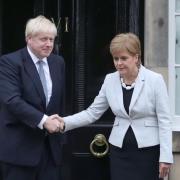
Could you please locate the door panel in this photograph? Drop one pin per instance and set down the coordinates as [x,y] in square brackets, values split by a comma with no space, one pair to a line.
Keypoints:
[100,28]
[95,25]
[84,164]
[14,15]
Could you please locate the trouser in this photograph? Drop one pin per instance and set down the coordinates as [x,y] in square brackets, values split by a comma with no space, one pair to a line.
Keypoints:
[45,170]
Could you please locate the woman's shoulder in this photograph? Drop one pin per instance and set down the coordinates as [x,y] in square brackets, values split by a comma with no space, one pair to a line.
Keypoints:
[110,78]
[151,77]
[112,75]
[150,73]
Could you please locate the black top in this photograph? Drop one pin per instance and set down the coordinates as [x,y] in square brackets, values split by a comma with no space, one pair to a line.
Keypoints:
[127,94]
[129,142]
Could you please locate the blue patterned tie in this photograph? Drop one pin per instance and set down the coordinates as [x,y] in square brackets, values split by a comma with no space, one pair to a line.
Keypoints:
[43,79]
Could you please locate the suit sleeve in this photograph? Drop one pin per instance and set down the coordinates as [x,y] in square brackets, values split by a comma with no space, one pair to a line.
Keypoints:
[11,94]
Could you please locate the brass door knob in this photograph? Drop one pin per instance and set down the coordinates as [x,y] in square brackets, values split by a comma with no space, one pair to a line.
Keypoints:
[100,141]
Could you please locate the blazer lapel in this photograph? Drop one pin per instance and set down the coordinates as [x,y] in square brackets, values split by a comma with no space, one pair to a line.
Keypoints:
[137,89]
[33,74]
[119,93]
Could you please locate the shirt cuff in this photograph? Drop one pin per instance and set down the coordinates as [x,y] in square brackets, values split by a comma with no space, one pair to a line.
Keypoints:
[40,125]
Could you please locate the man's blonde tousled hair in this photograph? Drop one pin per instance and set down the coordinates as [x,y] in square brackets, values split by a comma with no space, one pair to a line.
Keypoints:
[40,24]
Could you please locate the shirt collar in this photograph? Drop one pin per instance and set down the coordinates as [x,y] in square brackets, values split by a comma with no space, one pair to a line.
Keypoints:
[34,57]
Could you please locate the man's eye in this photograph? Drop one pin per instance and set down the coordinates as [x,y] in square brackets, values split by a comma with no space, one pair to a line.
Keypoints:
[51,40]
[43,39]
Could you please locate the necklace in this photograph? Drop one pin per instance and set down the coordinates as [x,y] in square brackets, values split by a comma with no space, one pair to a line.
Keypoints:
[127,87]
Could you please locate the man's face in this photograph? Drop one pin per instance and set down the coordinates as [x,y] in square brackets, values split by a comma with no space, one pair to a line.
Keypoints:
[41,44]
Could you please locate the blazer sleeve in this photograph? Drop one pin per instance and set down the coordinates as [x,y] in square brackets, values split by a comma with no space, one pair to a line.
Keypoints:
[164,120]
[91,114]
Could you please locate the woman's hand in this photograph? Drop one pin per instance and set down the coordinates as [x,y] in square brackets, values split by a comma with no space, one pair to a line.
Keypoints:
[164,169]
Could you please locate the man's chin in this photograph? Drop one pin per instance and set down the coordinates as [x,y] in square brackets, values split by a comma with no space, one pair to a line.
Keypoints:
[46,54]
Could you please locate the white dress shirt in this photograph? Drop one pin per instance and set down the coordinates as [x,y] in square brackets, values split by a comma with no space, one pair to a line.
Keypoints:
[48,80]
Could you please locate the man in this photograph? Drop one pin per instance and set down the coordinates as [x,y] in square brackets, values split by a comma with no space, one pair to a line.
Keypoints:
[31,98]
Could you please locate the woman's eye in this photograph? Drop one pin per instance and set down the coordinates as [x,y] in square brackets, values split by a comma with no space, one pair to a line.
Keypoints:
[120,58]
[124,58]
[116,58]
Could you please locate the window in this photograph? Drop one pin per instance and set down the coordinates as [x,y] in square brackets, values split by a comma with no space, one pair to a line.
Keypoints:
[174,61]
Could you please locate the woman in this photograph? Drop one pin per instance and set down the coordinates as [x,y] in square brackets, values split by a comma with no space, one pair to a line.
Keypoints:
[141,137]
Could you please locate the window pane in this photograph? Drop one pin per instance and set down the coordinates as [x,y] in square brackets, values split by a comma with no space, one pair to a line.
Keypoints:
[177,5]
[177,55]
[177,100]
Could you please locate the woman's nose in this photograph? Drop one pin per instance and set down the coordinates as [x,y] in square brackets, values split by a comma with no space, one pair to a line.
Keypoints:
[119,61]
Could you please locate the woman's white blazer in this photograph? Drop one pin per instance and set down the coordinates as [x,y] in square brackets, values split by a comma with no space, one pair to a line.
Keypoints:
[149,112]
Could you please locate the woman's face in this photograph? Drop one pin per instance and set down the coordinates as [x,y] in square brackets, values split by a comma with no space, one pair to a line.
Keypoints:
[125,63]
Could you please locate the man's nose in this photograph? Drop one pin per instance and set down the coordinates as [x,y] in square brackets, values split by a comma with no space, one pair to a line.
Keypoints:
[49,42]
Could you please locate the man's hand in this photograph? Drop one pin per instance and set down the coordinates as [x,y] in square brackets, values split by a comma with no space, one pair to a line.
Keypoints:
[62,124]
[53,124]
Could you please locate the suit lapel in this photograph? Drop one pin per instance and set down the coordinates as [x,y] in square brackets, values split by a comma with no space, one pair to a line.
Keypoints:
[54,74]
[33,74]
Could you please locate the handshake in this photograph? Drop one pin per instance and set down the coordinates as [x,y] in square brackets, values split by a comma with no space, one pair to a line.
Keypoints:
[54,124]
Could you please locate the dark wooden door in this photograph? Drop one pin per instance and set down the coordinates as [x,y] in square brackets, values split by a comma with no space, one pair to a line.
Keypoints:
[85,28]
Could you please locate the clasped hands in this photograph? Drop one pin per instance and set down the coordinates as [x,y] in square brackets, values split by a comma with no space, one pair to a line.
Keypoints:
[54,124]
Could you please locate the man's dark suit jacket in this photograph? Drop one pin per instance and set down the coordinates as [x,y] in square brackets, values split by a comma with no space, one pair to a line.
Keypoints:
[22,106]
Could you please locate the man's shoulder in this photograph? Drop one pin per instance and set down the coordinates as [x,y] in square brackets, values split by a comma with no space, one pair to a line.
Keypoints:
[14,53]
[56,58]
[15,56]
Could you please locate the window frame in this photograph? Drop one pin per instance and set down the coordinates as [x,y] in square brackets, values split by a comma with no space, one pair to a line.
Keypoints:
[171,61]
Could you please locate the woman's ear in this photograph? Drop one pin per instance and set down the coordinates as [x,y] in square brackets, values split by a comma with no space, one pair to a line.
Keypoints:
[137,56]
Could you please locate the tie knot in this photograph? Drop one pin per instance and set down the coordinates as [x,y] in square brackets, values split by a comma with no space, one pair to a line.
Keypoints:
[40,65]
[40,62]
